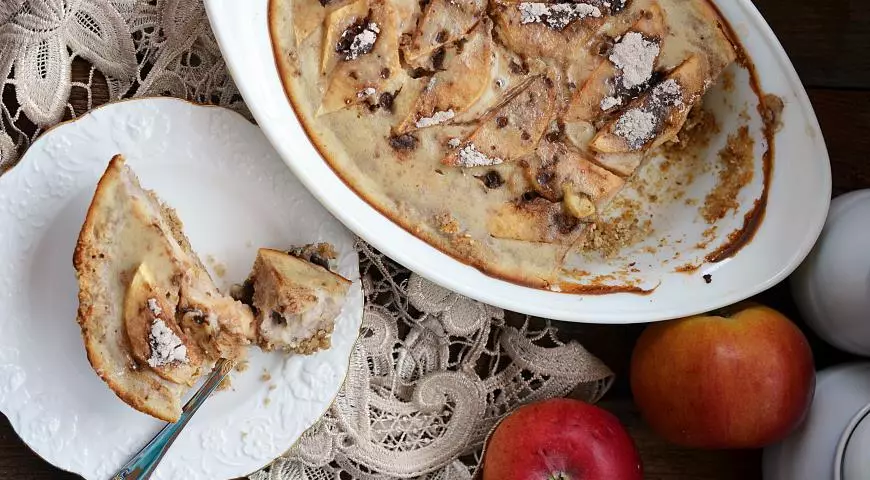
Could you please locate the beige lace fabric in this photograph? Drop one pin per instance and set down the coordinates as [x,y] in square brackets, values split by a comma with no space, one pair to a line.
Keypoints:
[433,371]
[131,48]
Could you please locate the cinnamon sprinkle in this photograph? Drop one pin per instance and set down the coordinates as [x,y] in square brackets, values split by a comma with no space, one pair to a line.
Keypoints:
[735,172]
[609,236]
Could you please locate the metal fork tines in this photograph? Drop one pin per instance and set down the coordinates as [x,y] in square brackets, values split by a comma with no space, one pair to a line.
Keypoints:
[143,464]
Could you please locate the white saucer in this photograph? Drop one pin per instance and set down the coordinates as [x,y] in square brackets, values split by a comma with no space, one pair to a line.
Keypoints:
[234,195]
[812,452]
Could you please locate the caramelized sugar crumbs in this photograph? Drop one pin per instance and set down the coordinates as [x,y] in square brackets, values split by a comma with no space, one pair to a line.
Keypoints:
[735,172]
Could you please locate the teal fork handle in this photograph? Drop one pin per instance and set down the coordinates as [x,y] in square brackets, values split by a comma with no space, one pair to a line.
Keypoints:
[142,465]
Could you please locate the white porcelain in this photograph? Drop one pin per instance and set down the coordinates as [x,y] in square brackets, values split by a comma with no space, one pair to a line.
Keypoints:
[809,453]
[832,286]
[852,461]
[800,189]
[233,194]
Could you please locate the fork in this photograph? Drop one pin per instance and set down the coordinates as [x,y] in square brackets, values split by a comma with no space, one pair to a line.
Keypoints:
[143,464]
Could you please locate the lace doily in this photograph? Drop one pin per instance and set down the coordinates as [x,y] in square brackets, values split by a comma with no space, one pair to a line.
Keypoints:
[433,371]
[129,48]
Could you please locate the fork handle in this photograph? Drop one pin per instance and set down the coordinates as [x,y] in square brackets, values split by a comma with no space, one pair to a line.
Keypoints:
[143,464]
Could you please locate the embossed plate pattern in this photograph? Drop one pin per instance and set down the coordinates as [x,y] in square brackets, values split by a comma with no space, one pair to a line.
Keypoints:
[234,194]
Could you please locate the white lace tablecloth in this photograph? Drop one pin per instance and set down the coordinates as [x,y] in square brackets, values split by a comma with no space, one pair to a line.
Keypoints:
[432,371]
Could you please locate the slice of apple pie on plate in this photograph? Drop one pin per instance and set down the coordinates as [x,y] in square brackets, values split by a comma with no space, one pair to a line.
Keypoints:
[152,318]
[295,300]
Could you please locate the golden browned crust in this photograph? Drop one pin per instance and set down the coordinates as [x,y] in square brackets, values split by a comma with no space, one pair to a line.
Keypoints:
[321,340]
[127,228]
[86,256]
[325,247]
[295,290]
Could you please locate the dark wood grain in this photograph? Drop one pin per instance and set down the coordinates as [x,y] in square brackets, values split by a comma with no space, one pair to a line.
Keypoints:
[668,462]
[19,462]
[828,42]
[845,119]
[825,39]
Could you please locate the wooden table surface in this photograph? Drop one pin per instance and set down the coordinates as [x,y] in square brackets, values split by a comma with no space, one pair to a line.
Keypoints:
[828,42]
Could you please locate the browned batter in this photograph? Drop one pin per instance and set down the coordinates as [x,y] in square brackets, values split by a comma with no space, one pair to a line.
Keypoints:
[497,131]
[735,172]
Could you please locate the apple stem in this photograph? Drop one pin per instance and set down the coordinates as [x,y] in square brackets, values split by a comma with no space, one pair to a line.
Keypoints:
[559,476]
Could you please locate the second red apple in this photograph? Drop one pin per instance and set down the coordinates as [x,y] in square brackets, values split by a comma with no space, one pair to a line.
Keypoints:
[738,380]
[561,439]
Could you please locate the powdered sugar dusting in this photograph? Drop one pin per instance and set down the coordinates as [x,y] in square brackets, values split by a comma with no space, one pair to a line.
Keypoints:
[669,92]
[362,42]
[617,5]
[639,125]
[609,102]
[635,58]
[166,347]
[556,15]
[435,119]
[154,307]
[470,156]
[366,92]
[636,126]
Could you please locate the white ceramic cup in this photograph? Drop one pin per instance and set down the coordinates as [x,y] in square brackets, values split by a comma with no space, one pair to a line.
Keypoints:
[810,452]
[852,461]
[832,286]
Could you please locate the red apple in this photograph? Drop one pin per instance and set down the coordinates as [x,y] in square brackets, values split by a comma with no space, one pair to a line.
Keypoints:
[743,379]
[560,439]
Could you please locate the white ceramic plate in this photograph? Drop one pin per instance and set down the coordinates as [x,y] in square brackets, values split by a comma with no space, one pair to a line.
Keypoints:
[233,195]
[798,201]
